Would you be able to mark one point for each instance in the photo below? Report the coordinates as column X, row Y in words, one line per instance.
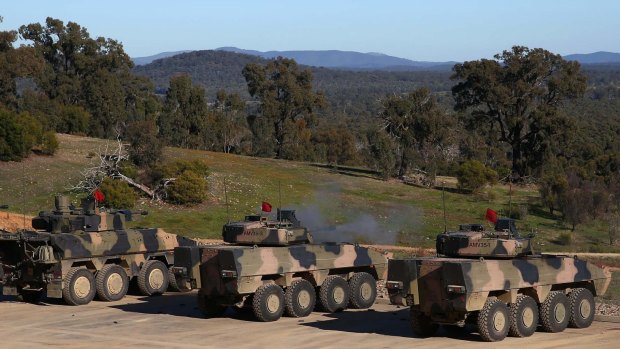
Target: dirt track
column 172, row 321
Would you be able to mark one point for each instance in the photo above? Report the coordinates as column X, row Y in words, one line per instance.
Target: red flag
column 266, row 206
column 491, row 216
column 99, row 197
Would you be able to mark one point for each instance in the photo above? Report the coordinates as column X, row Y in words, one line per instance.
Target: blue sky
column 419, row 30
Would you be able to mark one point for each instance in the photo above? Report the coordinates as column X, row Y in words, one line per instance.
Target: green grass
column 394, row 211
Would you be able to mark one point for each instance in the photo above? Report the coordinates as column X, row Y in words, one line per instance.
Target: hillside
column 336, row 204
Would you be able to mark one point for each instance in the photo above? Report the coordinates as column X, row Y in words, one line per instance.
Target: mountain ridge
column 353, row 60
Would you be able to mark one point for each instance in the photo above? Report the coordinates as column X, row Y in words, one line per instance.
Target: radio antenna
column 226, row 199
column 24, row 193
column 443, row 199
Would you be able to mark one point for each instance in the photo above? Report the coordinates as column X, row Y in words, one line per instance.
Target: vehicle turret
column 261, row 231
column 472, row 241
column 66, row 218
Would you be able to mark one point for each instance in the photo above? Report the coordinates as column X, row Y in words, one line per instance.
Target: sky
column 439, row 30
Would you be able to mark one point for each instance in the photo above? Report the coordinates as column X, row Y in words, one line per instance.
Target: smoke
column 331, row 216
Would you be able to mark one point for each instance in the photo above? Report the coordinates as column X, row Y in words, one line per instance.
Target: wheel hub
column 303, row 299
column 366, row 291
column 273, row 303
column 81, row 287
column 559, row 312
column 156, row 279
column 338, row 295
column 115, row 283
column 527, row 318
column 585, row 309
column 499, row 321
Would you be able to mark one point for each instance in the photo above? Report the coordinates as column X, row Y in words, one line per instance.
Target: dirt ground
column 13, row 221
column 173, row 321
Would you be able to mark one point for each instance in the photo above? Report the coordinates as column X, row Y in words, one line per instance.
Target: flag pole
column 279, row 198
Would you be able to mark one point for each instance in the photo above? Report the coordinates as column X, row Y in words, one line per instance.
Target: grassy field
column 352, row 204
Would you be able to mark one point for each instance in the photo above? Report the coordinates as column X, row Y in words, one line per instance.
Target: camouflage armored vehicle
column 273, row 267
column 495, row 281
column 77, row 253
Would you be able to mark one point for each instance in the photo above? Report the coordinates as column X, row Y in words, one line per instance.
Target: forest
column 524, row 116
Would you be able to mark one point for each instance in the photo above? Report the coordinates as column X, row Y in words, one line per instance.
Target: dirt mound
column 13, row 221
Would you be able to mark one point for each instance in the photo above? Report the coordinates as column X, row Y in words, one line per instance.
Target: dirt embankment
column 12, row 221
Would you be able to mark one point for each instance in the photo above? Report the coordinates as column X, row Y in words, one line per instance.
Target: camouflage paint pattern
column 253, row 266
column 87, row 238
column 482, row 244
column 424, row 282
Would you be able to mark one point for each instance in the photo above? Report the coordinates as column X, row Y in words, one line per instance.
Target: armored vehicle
column 495, row 281
column 77, row 253
column 273, row 266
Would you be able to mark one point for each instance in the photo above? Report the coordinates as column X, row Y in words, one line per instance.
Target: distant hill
column 347, row 90
column 347, row 59
column 595, row 58
column 149, row 59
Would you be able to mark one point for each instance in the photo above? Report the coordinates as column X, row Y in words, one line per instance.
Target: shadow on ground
column 387, row 323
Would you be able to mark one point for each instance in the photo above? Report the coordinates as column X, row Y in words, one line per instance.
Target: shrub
column 49, row 143
column 118, row 194
column 188, row 188
column 473, row 175
column 565, row 239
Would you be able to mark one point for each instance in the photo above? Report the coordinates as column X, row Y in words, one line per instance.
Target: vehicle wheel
column 554, row 312
column 112, row 283
column 299, row 298
column 210, row 307
column 493, row 321
column 173, row 285
column 79, row 286
column 421, row 324
column 153, row 278
column 581, row 305
column 334, row 294
column 268, row 302
column 33, row 297
column 523, row 316
column 363, row 290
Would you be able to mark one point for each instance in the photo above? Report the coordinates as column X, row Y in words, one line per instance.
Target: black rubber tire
column 522, row 311
column 493, row 320
column 421, row 324
column 363, row 290
column 146, row 287
column 581, row 305
column 101, row 280
column 330, row 290
column 172, row 283
column 293, row 306
column 210, row 307
column 551, row 311
column 69, row 293
column 261, row 302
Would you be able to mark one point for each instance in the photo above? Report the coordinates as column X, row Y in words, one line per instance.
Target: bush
column 188, row 188
column 118, row 194
column 146, row 148
column 565, row 239
column 49, row 143
column 473, row 175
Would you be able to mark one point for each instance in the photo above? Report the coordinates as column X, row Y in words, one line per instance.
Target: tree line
column 527, row 114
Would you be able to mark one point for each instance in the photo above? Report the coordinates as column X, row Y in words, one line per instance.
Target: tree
column 94, row 73
column 227, row 125
column 515, row 98
column 145, row 146
column 416, row 124
column 183, row 118
column 285, row 93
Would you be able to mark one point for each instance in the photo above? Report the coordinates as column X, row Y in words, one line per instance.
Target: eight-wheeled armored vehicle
column 495, row 281
column 76, row 253
column 273, row 266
